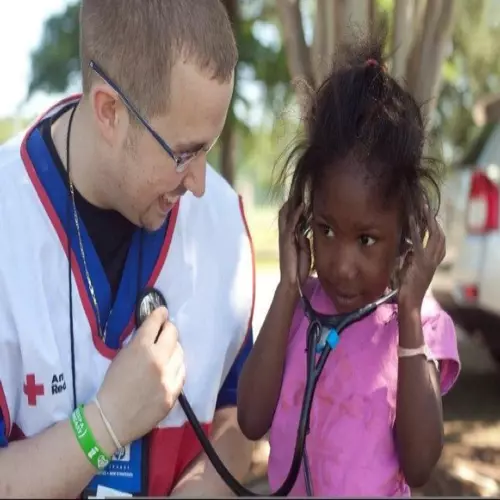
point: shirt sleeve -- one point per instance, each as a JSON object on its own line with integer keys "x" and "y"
{"x": 10, "y": 363}
{"x": 228, "y": 392}
{"x": 3, "y": 434}
{"x": 441, "y": 339}
{"x": 10, "y": 369}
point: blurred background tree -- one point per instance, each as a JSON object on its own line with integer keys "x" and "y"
{"x": 445, "y": 50}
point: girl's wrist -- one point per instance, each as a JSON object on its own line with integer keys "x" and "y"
{"x": 288, "y": 292}
{"x": 410, "y": 327}
{"x": 409, "y": 305}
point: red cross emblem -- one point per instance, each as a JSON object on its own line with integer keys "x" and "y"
{"x": 32, "y": 389}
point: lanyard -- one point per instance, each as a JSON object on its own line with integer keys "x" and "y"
{"x": 73, "y": 215}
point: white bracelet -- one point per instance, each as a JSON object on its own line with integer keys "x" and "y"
{"x": 108, "y": 425}
{"x": 404, "y": 352}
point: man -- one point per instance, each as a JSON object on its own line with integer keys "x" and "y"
{"x": 106, "y": 194}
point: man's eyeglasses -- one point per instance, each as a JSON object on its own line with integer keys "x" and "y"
{"x": 181, "y": 160}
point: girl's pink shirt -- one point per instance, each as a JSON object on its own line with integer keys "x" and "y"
{"x": 351, "y": 445}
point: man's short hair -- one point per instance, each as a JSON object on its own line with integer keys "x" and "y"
{"x": 136, "y": 42}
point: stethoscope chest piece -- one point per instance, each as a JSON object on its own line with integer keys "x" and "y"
{"x": 148, "y": 300}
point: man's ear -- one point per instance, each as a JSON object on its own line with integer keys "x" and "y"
{"x": 109, "y": 113}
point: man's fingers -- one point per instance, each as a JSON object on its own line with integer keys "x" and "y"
{"x": 168, "y": 337}
{"x": 153, "y": 324}
{"x": 177, "y": 359}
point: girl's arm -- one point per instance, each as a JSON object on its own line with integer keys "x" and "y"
{"x": 259, "y": 385}
{"x": 260, "y": 380}
{"x": 419, "y": 415}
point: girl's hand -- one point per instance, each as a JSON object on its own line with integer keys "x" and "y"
{"x": 293, "y": 259}
{"x": 421, "y": 263}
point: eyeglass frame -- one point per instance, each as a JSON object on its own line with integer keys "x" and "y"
{"x": 181, "y": 160}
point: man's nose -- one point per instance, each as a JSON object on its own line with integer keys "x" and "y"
{"x": 196, "y": 176}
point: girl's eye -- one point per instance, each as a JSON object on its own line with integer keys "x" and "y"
{"x": 328, "y": 231}
{"x": 367, "y": 241}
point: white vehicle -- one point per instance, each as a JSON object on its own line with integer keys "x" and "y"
{"x": 468, "y": 284}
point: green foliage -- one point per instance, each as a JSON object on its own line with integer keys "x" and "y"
{"x": 56, "y": 60}
{"x": 262, "y": 65}
{"x": 471, "y": 70}
{"x": 262, "y": 56}
{"x": 262, "y": 59}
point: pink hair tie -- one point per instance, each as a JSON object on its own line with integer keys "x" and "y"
{"x": 375, "y": 63}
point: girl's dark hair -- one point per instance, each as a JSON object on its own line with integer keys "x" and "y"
{"x": 361, "y": 113}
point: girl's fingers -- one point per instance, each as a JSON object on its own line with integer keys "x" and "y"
{"x": 288, "y": 222}
{"x": 283, "y": 216}
{"x": 415, "y": 237}
{"x": 296, "y": 216}
{"x": 433, "y": 230}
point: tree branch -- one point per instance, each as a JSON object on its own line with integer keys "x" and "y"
{"x": 297, "y": 51}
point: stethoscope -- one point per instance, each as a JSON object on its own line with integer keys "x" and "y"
{"x": 323, "y": 335}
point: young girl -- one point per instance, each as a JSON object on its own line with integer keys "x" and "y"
{"x": 363, "y": 187}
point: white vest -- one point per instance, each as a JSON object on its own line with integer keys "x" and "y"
{"x": 207, "y": 278}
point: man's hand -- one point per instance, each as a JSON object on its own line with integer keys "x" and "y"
{"x": 145, "y": 379}
{"x": 235, "y": 451}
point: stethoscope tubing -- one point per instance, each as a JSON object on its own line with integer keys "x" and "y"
{"x": 152, "y": 298}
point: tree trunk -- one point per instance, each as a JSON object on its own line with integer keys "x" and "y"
{"x": 373, "y": 21}
{"x": 297, "y": 51}
{"x": 356, "y": 19}
{"x": 228, "y": 152}
{"x": 228, "y": 138}
{"x": 340, "y": 10}
{"x": 418, "y": 52}
{"x": 404, "y": 11}
{"x": 426, "y": 56}
{"x": 323, "y": 49}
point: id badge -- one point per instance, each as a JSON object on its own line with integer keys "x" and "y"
{"x": 126, "y": 473}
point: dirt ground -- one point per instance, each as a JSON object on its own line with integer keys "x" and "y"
{"x": 470, "y": 463}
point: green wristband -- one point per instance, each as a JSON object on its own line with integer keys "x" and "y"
{"x": 96, "y": 456}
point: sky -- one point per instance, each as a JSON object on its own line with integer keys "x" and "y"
{"x": 21, "y": 28}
